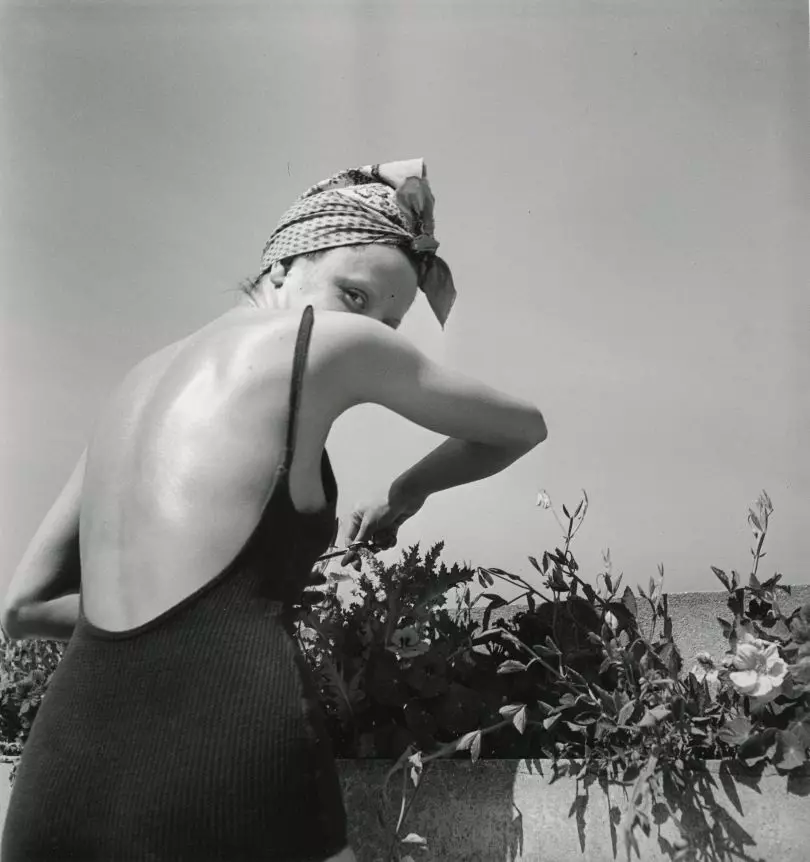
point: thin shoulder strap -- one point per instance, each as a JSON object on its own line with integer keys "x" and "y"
{"x": 299, "y": 363}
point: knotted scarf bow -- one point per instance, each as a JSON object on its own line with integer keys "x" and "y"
{"x": 390, "y": 203}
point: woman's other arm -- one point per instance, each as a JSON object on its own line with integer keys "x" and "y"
{"x": 42, "y": 600}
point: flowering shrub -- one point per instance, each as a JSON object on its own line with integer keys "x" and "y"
{"x": 765, "y": 675}
{"x": 575, "y": 678}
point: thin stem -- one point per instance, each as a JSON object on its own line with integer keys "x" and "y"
{"x": 757, "y": 555}
{"x": 556, "y": 518}
{"x": 528, "y": 586}
{"x": 405, "y": 808}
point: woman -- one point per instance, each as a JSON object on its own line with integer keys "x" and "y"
{"x": 182, "y": 722}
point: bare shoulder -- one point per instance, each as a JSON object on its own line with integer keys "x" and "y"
{"x": 342, "y": 341}
{"x": 352, "y": 356}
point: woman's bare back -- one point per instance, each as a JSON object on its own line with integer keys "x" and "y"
{"x": 182, "y": 461}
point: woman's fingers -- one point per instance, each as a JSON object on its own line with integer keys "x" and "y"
{"x": 364, "y": 527}
{"x": 355, "y": 522}
{"x": 355, "y": 533}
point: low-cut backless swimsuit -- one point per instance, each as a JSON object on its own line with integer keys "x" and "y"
{"x": 198, "y": 735}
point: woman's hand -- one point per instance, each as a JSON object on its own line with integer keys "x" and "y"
{"x": 378, "y": 522}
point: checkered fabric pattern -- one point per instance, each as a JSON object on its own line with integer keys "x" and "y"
{"x": 336, "y": 217}
{"x": 390, "y": 204}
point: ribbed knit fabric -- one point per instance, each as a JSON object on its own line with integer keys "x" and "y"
{"x": 198, "y": 735}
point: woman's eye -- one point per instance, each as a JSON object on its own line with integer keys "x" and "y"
{"x": 356, "y": 297}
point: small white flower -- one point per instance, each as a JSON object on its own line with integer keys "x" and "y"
{"x": 610, "y": 619}
{"x": 543, "y": 500}
{"x": 759, "y": 669}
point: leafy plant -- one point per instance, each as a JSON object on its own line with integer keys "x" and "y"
{"x": 391, "y": 666}
{"x": 579, "y": 680}
{"x": 765, "y": 675}
{"x": 26, "y": 667}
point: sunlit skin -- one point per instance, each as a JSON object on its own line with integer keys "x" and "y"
{"x": 152, "y": 474}
{"x": 377, "y": 281}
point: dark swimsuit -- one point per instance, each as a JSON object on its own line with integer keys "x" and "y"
{"x": 198, "y": 735}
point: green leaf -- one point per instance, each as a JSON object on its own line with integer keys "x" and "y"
{"x": 511, "y": 666}
{"x": 608, "y": 704}
{"x": 542, "y": 650}
{"x": 671, "y": 658}
{"x": 511, "y": 709}
{"x": 577, "y": 678}
{"x": 549, "y": 722}
{"x": 467, "y": 740}
{"x": 627, "y": 711}
{"x": 736, "y": 731}
{"x": 487, "y": 577}
{"x": 537, "y": 566}
{"x": 496, "y": 601}
{"x": 722, "y": 577}
{"x": 758, "y": 746}
{"x": 790, "y": 751}
{"x": 475, "y": 748}
{"x": 590, "y": 593}
{"x": 801, "y": 670}
{"x": 629, "y": 601}
{"x": 493, "y": 571}
{"x": 653, "y": 716}
{"x": 727, "y": 627}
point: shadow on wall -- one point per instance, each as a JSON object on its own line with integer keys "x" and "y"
{"x": 520, "y": 810}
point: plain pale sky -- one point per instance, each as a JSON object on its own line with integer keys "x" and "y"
{"x": 622, "y": 195}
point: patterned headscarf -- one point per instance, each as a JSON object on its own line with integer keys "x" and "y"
{"x": 390, "y": 204}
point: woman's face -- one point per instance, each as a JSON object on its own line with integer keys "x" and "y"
{"x": 375, "y": 280}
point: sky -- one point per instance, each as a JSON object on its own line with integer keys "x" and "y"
{"x": 622, "y": 193}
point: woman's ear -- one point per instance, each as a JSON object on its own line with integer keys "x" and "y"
{"x": 277, "y": 273}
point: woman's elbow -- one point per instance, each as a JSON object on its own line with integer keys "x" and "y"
{"x": 536, "y": 429}
{"x": 542, "y": 428}
{"x": 530, "y": 431}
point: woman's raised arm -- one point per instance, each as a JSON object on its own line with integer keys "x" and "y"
{"x": 371, "y": 363}
{"x": 487, "y": 429}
